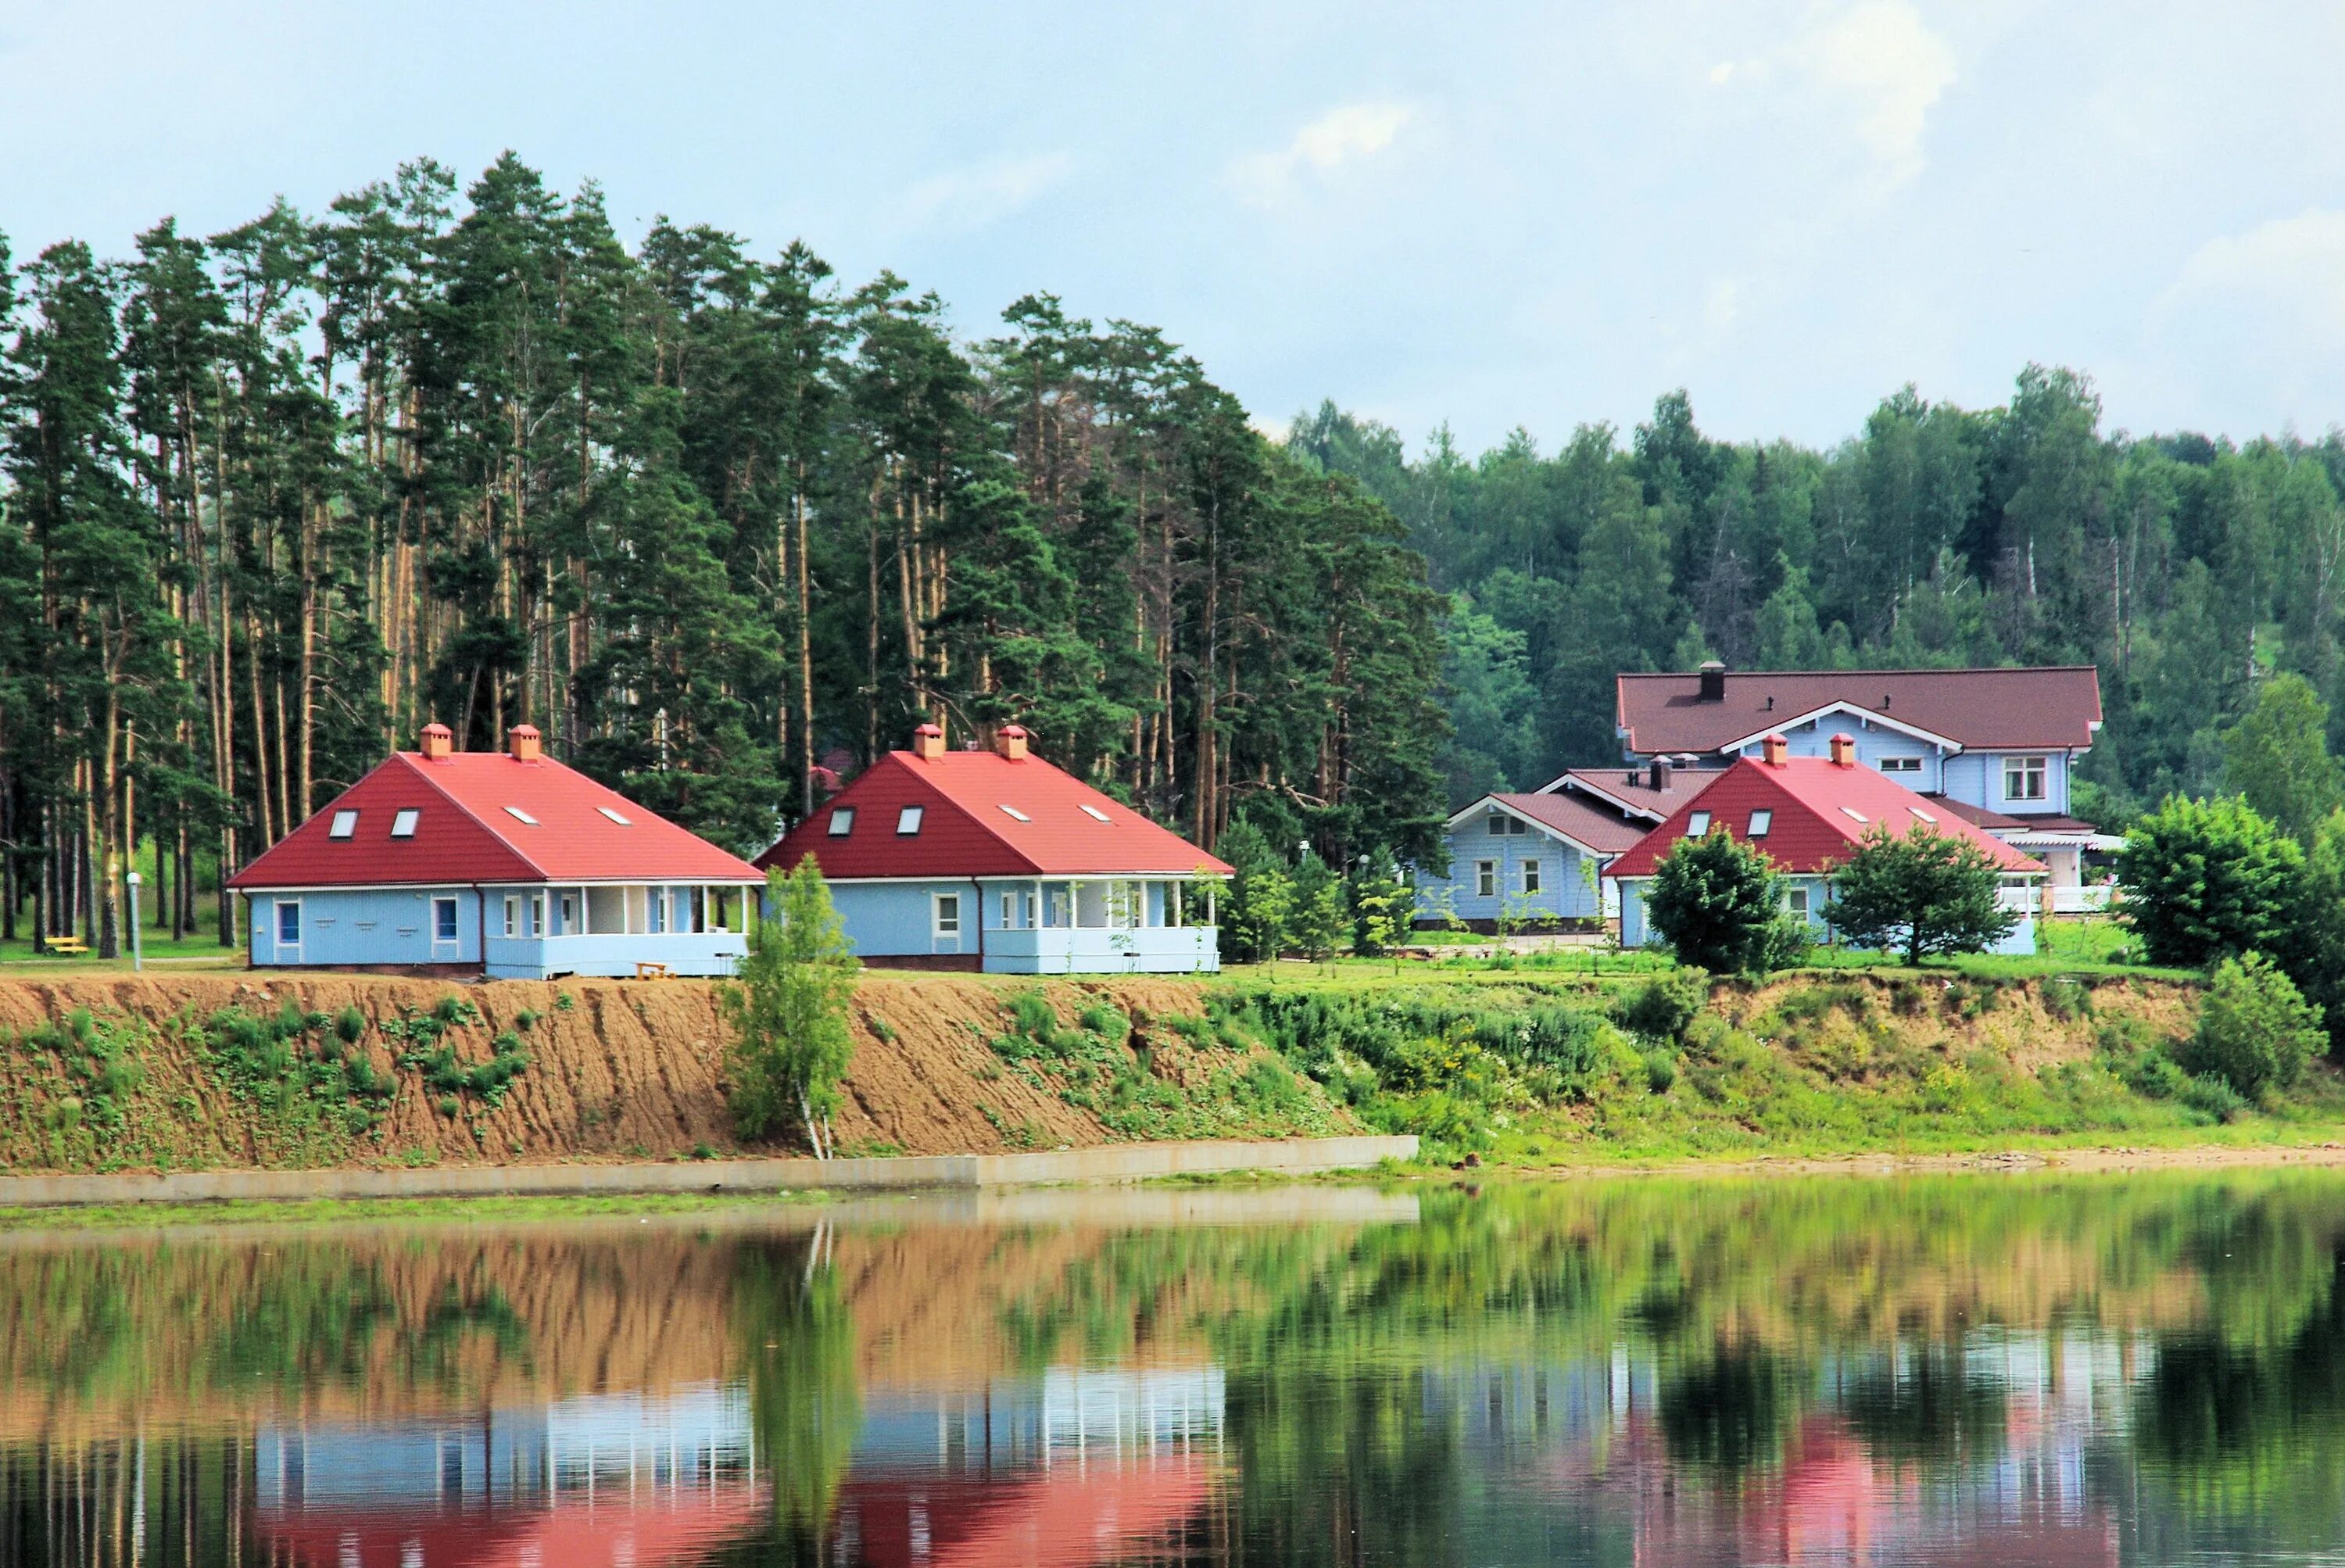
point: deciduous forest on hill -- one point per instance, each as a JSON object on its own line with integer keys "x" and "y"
{"x": 271, "y": 499}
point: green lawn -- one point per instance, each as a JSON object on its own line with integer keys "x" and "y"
{"x": 198, "y": 951}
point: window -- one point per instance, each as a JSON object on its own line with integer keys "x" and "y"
{"x": 1796, "y": 900}
{"x": 842, "y": 821}
{"x": 2023, "y": 778}
{"x": 1853, "y": 814}
{"x": 1761, "y": 821}
{"x": 1096, "y": 814}
{"x": 1504, "y": 825}
{"x": 655, "y": 911}
{"x": 1922, "y": 815}
{"x": 947, "y": 914}
{"x": 443, "y": 919}
{"x": 1007, "y": 901}
{"x": 346, "y": 824}
{"x": 1485, "y": 879}
{"x": 1530, "y": 876}
{"x": 513, "y": 917}
{"x": 1029, "y": 910}
{"x": 537, "y": 914}
{"x": 518, "y": 815}
{"x": 908, "y": 820}
{"x": 615, "y": 816}
{"x": 1016, "y": 815}
{"x": 1697, "y": 825}
{"x": 1900, "y": 765}
{"x": 567, "y": 922}
{"x": 288, "y": 922}
{"x": 402, "y": 826}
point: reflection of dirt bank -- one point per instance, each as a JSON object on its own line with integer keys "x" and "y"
{"x": 626, "y": 1070}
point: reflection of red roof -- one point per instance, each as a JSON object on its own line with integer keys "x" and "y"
{"x": 1067, "y": 828}
{"x": 1079, "y": 1514}
{"x": 680, "y": 1525}
{"x": 1812, "y": 799}
{"x": 465, "y": 833}
{"x": 2053, "y": 708}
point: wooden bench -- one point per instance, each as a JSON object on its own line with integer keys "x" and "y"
{"x": 654, "y": 971}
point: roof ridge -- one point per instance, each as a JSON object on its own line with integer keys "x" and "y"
{"x": 912, "y": 763}
{"x": 490, "y": 829}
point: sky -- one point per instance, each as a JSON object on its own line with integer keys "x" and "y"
{"x": 1533, "y": 216}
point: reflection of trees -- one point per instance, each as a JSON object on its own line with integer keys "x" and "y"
{"x": 1725, "y": 1412}
{"x": 1923, "y": 1406}
{"x": 1342, "y": 1465}
{"x": 805, "y": 1407}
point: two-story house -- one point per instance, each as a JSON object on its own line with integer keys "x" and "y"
{"x": 1999, "y": 747}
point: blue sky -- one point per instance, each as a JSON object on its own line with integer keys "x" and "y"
{"x": 1492, "y": 215}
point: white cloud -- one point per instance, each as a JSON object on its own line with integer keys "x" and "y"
{"x": 1341, "y": 136}
{"x": 976, "y": 194}
{"x": 1877, "y": 59}
{"x": 2293, "y": 267}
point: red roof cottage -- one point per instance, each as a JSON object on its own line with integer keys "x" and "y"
{"x": 996, "y": 860}
{"x": 502, "y": 862}
{"x": 1809, "y": 813}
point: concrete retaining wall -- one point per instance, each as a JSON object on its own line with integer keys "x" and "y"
{"x": 1109, "y": 1163}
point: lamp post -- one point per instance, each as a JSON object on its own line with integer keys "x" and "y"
{"x": 138, "y": 964}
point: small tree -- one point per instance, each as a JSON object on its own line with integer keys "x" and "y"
{"x": 2277, "y": 757}
{"x": 788, "y": 1007}
{"x": 2256, "y": 1028}
{"x": 2208, "y": 880}
{"x": 1257, "y": 908}
{"x": 1320, "y": 922}
{"x": 1718, "y": 904}
{"x": 1927, "y": 892}
{"x": 1380, "y": 905}
{"x": 2323, "y": 975}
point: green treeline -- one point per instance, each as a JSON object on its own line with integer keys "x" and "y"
{"x": 2184, "y": 567}
{"x": 275, "y": 498}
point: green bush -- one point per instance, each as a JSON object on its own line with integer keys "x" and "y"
{"x": 1032, "y": 1012}
{"x": 349, "y": 1024}
{"x": 1105, "y": 1022}
{"x": 1718, "y": 904}
{"x": 1660, "y": 1070}
{"x": 1664, "y": 1006}
{"x": 2210, "y": 1096}
{"x": 2255, "y": 1031}
{"x": 2208, "y": 879}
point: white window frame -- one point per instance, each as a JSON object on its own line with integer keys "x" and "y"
{"x": 567, "y": 912}
{"x": 405, "y": 820}
{"x": 908, "y": 820}
{"x": 2024, "y": 770}
{"x": 842, "y": 821}
{"x": 1698, "y": 825}
{"x": 455, "y": 919}
{"x": 512, "y": 916}
{"x": 939, "y": 934}
{"x": 1796, "y": 900}
{"x": 536, "y": 916}
{"x": 1763, "y": 822}
{"x": 1530, "y": 875}
{"x": 1485, "y": 879}
{"x": 345, "y": 825}
{"x": 277, "y": 926}
{"x": 656, "y": 922}
{"x": 1899, "y": 763}
{"x": 1007, "y": 905}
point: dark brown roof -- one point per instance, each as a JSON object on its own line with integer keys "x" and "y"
{"x": 2053, "y": 706}
{"x": 1616, "y": 789}
{"x": 1602, "y": 829}
{"x": 1997, "y": 823}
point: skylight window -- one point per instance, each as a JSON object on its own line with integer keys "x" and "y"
{"x": 346, "y": 823}
{"x": 1760, "y": 822}
{"x": 1697, "y": 825}
{"x": 1016, "y": 814}
{"x": 518, "y": 815}
{"x": 1853, "y": 814}
{"x": 402, "y": 826}
{"x": 617, "y": 817}
{"x": 1096, "y": 814}
{"x": 1925, "y": 816}
{"x": 908, "y": 820}
{"x": 842, "y": 821}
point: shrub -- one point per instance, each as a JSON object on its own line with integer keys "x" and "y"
{"x": 2210, "y": 1096}
{"x": 1718, "y": 904}
{"x": 2066, "y": 998}
{"x": 1660, "y": 1070}
{"x": 1666, "y": 1005}
{"x": 526, "y": 1020}
{"x": 1926, "y": 892}
{"x": 1105, "y": 1022}
{"x": 350, "y": 1023}
{"x": 1032, "y": 1012}
{"x": 2256, "y": 1029}
{"x": 2208, "y": 879}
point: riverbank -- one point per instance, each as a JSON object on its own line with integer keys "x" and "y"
{"x": 1565, "y": 1071}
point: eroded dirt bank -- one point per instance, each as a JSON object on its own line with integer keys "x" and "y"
{"x": 339, "y": 1068}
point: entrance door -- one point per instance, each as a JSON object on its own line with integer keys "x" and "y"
{"x": 944, "y": 923}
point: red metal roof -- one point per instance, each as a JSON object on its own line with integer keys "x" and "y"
{"x": 964, "y": 830}
{"x": 1811, "y": 829}
{"x": 2052, "y": 706}
{"x": 464, "y": 834}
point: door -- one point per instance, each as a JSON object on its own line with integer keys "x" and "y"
{"x": 944, "y": 923}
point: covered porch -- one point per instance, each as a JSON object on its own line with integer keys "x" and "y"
{"x": 1107, "y": 925}
{"x": 617, "y": 928}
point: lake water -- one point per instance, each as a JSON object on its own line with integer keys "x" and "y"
{"x": 1974, "y": 1370}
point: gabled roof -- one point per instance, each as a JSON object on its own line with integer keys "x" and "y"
{"x": 1629, "y": 791}
{"x": 465, "y": 834}
{"x": 1811, "y": 799}
{"x": 2056, "y": 708}
{"x": 1595, "y": 828}
{"x": 1064, "y": 827}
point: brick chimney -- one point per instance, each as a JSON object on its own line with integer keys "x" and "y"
{"x": 928, "y": 743}
{"x": 1713, "y": 681}
{"x": 1010, "y": 742}
{"x": 1774, "y": 749}
{"x": 438, "y": 742}
{"x": 1657, "y": 777}
{"x": 1843, "y": 750}
{"x": 525, "y": 745}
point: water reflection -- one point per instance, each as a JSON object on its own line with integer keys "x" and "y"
{"x": 1925, "y": 1371}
